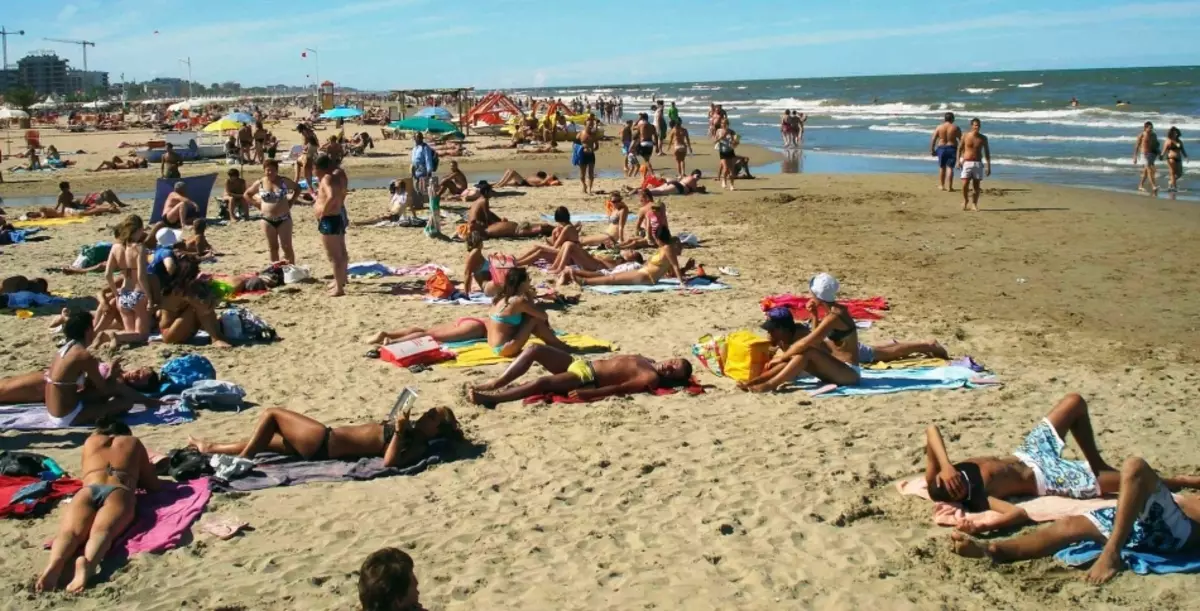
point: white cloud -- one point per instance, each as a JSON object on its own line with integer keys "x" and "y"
{"x": 458, "y": 30}
{"x": 68, "y": 11}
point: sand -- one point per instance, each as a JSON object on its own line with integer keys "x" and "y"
{"x": 722, "y": 501}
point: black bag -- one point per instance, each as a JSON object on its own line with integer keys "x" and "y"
{"x": 187, "y": 464}
{"x": 21, "y": 464}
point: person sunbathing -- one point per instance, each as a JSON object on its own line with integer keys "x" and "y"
{"x": 618, "y": 214}
{"x": 478, "y": 268}
{"x": 1147, "y": 518}
{"x": 513, "y": 319}
{"x": 539, "y": 179}
{"x": 572, "y": 254}
{"x": 115, "y": 465}
{"x": 665, "y": 262}
{"x": 451, "y": 149}
{"x": 1035, "y": 468}
{"x": 651, "y": 215}
{"x": 93, "y": 204}
{"x": 188, "y": 303}
{"x": 31, "y": 387}
{"x": 198, "y": 244}
{"x": 481, "y": 218}
{"x": 684, "y": 186}
{"x": 19, "y": 284}
{"x": 829, "y": 352}
{"x": 784, "y": 331}
{"x": 455, "y": 183}
{"x": 580, "y": 379}
{"x": 136, "y": 163}
{"x": 564, "y": 232}
{"x": 399, "y": 443}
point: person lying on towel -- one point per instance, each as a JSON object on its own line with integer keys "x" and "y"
{"x": 664, "y": 263}
{"x": 115, "y": 465}
{"x": 400, "y": 443}
{"x": 580, "y": 379}
{"x": 1147, "y": 518}
{"x": 1035, "y": 468}
{"x": 784, "y": 331}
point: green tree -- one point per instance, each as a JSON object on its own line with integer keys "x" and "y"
{"x": 22, "y": 97}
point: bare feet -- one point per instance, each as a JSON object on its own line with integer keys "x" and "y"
{"x": 480, "y": 399}
{"x": 967, "y": 546}
{"x": 376, "y": 339}
{"x": 220, "y": 343}
{"x": 489, "y": 385}
{"x": 82, "y": 574}
{"x": 200, "y": 445}
{"x": 49, "y": 578}
{"x": 1105, "y": 568}
{"x": 336, "y": 292}
{"x": 941, "y": 187}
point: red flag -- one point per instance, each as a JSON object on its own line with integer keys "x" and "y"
{"x": 304, "y": 54}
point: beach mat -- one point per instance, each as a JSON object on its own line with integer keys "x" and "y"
{"x": 198, "y": 189}
{"x": 586, "y": 217}
{"x": 1039, "y": 509}
{"x": 69, "y": 220}
{"x": 32, "y": 494}
{"x": 888, "y": 381}
{"x": 375, "y": 269}
{"x": 1141, "y": 563}
{"x": 480, "y": 354}
{"x": 473, "y": 299}
{"x": 273, "y": 470}
{"x": 668, "y": 284}
{"x": 34, "y": 417}
{"x": 860, "y": 309}
{"x": 693, "y": 388}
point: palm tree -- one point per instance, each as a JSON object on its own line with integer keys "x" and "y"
{"x": 22, "y": 97}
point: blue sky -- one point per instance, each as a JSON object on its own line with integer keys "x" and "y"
{"x": 387, "y": 44}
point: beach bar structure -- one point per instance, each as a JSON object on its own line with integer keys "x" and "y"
{"x": 407, "y": 101}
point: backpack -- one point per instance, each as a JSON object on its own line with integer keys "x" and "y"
{"x": 187, "y": 464}
{"x": 240, "y": 324}
{"x": 94, "y": 254}
{"x": 181, "y": 372}
{"x": 215, "y": 395}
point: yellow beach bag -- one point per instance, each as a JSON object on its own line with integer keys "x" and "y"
{"x": 746, "y": 355}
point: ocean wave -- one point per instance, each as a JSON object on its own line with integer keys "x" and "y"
{"x": 1070, "y": 164}
{"x": 996, "y": 80}
{"x": 922, "y": 129}
{"x": 1029, "y": 85}
{"x": 980, "y": 90}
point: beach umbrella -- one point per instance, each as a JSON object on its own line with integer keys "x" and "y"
{"x": 240, "y": 117}
{"x": 221, "y": 125}
{"x": 12, "y": 113}
{"x": 435, "y": 112}
{"x": 341, "y": 112}
{"x": 423, "y": 124}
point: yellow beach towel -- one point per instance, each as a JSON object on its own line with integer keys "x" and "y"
{"x": 67, "y": 220}
{"x": 481, "y": 354}
{"x": 912, "y": 363}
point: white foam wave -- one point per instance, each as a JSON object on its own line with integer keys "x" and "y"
{"x": 925, "y": 130}
{"x": 980, "y": 90}
{"x": 996, "y": 80}
{"x": 1070, "y": 164}
{"x": 1029, "y": 85}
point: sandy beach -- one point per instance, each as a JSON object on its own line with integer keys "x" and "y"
{"x": 719, "y": 501}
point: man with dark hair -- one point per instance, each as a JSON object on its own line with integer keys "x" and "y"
{"x": 386, "y": 582}
{"x": 330, "y": 209}
{"x": 944, "y": 146}
{"x": 975, "y": 159}
{"x": 580, "y": 379}
{"x": 1147, "y": 147}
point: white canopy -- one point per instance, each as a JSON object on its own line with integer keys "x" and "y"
{"x": 12, "y": 113}
{"x": 98, "y": 104}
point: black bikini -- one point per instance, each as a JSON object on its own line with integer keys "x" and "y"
{"x": 837, "y": 335}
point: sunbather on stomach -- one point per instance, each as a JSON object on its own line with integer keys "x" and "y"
{"x": 513, "y": 319}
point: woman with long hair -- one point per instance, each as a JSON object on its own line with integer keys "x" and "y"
{"x": 128, "y": 257}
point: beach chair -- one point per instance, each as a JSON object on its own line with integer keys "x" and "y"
{"x": 198, "y": 189}
{"x": 294, "y": 155}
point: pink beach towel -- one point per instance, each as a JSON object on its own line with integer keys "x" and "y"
{"x": 1040, "y": 509}
{"x": 162, "y": 517}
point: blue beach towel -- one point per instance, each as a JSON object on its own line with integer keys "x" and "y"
{"x": 887, "y": 381}
{"x": 198, "y": 189}
{"x": 668, "y": 284}
{"x": 586, "y": 217}
{"x": 1142, "y": 563}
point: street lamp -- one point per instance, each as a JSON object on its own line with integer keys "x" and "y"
{"x": 188, "y": 61}
{"x": 317, "y": 59}
{"x": 4, "y": 34}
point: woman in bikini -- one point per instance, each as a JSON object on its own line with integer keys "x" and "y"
{"x": 1174, "y": 152}
{"x": 664, "y": 262}
{"x": 513, "y": 318}
{"x": 686, "y": 185}
{"x": 727, "y": 141}
{"x": 540, "y": 179}
{"x": 128, "y": 256}
{"x": 650, "y": 217}
{"x": 478, "y": 268}
{"x": 564, "y": 232}
{"x": 307, "y": 163}
{"x": 785, "y": 331}
{"x": 187, "y": 304}
{"x": 284, "y": 431}
{"x": 275, "y": 195}
{"x": 115, "y": 465}
{"x": 481, "y": 218}
{"x": 681, "y": 144}
{"x": 618, "y": 214}
{"x": 572, "y": 253}
{"x": 829, "y": 352}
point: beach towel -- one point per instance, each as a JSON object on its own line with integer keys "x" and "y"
{"x": 201, "y": 338}
{"x": 16, "y": 236}
{"x": 460, "y": 299}
{"x": 197, "y": 189}
{"x": 693, "y": 388}
{"x": 909, "y": 363}
{"x": 864, "y": 309}
{"x": 34, "y": 417}
{"x": 882, "y": 382}
{"x": 586, "y": 217}
{"x": 273, "y": 470}
{"x": 375, "y": 269}
{"x": 479, "y": 354}
{"x": 68, "y": 220}
{"x": 25, "y": 299}
{"x": 25, "y": 496}
{"x": 1141, "y": 563}
{"x": 666, "y": 284}
{"x": 1039, "y": 509}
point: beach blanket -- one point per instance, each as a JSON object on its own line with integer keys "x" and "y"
{"x": 34, "y": 417}
{"x": 693, "y": 388}
{"x": 68, "y": 220}
{"x": 860, "y": 309}
{"x": 197, "y": 188}
{"x": 479, "y": 354}
{"x": 24, "y": 496}
{"x": 473, "y": 299}
{"x": 1141, "y": 563}
{"x": 16, "y": 236}
{"x": 201, "y": 338}
{"x": 586, "y": 217}
{"x": 375, "y": 269}
{"x": 25, "y": 299}
{"x": 909, "y": 363}
{"x": 666, "y": 284}
{"x": 273, "y": 470}
{"x": 1039, "y": 509}
{"x": 882, "y": 382}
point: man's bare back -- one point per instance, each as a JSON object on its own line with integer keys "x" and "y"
{"x": 947, "y": 134}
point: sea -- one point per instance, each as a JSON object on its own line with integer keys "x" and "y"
{"x": 882, "y": 124}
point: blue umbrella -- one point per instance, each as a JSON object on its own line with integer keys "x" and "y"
{"x": 341, "y": 112}
{"x": 423, "y": 124}
{"x": 240, "y": 117}
{"x": 436, "y": 112}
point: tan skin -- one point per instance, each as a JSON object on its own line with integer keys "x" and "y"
{"x": 170, "y": 162}
{"x": 884, "y": 353}
{"x": 681, "y": 144}
{"x": 974, "y": 147}
{"x": 31, "y": 387}
{"x": 235, "y": 195}
{"x": 101, "y": 396}
{"x": 946, "y": 134}
{"x": 668, "y": 255}
{"x": 1146, "y": 144}
{"x": 115, "y": 460}
{"x": 128, "y": 257}
{"x": 587, "y": 139}
{"x": 278, "y": 238}
{"x": 814, "y": 354}
{"x": 455, "y": 183}
{"x": 643, "y": 220}
{"x": 646, "y": 132}
{"x": 473, "y": 272}
{"x": 177, "y": 209}
{"x": 331, "y": 197}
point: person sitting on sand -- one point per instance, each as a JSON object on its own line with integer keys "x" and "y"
{"x": 513, "y": 319}
{"x": 618, "y": 215}
{"x": 178, "y": 210}
{"x": 455, "y": 183}
{"x": 115, "y": 465}
{"x": 19, "y": 284}
{"x": 664, "y": 263}
{"x": 32, "y": 387}
{"x": 481, "y": 218}
{"x": 198, "y": 244}
{"x": 580, "y": 379}
{"x": 784, "y": 331}
{"x": 539, "y": 179}
{"x": 478, "y": 268}
{"x": 1035, "y": 468}
{"x": 400, "y": 443}
{"x": 188, "y": 304}
{"x": 93, "y": 204}
{"x": 572, "y": 254}
{"x": 235, "y": 196}
{"x": 684, "y": 186}
{"x": 651, "y": 215}
{"x": 1147, "y": 518}
{"x": 134, "y": 163}
{"x": 387, "y": 582}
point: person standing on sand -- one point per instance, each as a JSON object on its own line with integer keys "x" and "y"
{"x": 673, "y": 115}
{"x": 660, "y": 123}
{"x": 647, "y": 140}
{"x": 972, "y": 146}
{"x": 1147, "y": 146}
{"x": 330, "y": 210}
{"x": 944, "y": 146}
{"x": 681, "y": 145}
{"x": 169, "y": 165}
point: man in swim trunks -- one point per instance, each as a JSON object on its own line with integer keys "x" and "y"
{"x": 580, "y": 379}
{"x": 93, "y": 203}
{"x": 974, "y": 146}
{"x": 330, "y": 210}
{"x": 647, "y": 140}
{"x": 1148, "y": 148}
{"x": 661, "y": 124}
{"x": 1035, "y": 468}
{"x": 235, "y": 196}
{"x": 178, "y": 210}
{"x": 455, "y": 183}
{"x": 169, "y": 165}
{"x": 944, "y": 146}
{"x": 1147, "y": 518}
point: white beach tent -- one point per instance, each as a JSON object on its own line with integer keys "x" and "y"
{"x": 12, "y": 113}
{"x": 46, "y": 104}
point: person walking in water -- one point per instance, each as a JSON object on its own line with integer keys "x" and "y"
{"x": 944, "y": 146}
{"x": 1148, "y": 148}
{"x": 975, "y": 159}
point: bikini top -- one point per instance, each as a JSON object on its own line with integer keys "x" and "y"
{"x": 837, "y": 335}
{"x": 62, "y": 353}
{"x": 511, "y": 319}
{"x": 656, "y": 260}
{"x": 270, "y": 196}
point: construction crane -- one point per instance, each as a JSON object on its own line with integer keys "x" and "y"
{"x": 4, "y": 34}
{"x": 83, "y": 43}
